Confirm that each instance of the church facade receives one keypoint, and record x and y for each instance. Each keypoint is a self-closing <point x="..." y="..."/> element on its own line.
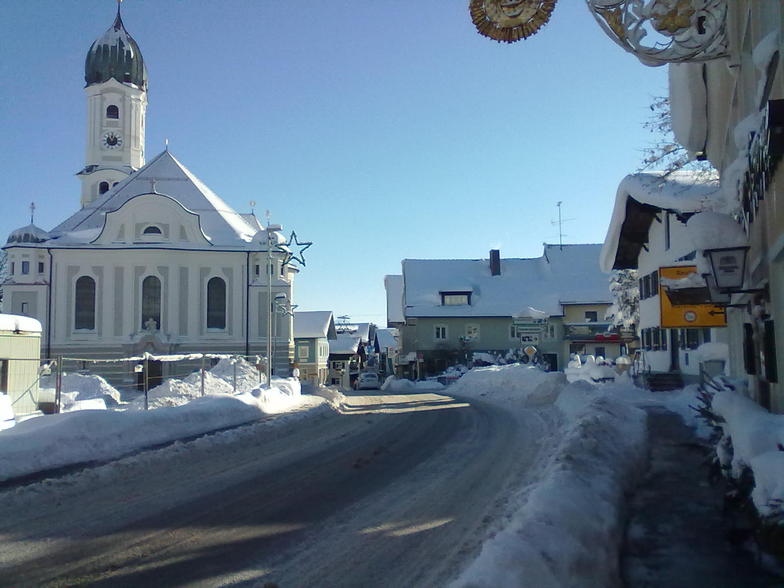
<point x="153" y="261"/>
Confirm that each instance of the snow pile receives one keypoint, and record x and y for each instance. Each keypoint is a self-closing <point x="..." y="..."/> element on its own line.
<point x="77" y="388"/>
<point x="528" y="385"/>
<point x="713" y="352"/>
<point x="569" y="528"/>
<point x="592" y="370"/>
<point x="217" y="380"/>
<point x="756" y="438"/>
<point x="58" y="440"/>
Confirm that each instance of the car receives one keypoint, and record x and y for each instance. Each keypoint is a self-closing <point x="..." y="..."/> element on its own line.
<point x="367" y="381"/>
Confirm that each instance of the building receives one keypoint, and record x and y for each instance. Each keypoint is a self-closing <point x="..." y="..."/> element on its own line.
<point x="459" y="310"/>
<point x="386" y="346"/>
<point x="153" y="260"/>
<point x="726" y="91"/>
<point x="648" y="232"/>
<point x="313" y="331"/>
<point x="20" y="355"/>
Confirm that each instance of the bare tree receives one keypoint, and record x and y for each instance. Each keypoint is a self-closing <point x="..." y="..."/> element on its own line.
<point x="666" y="154"/>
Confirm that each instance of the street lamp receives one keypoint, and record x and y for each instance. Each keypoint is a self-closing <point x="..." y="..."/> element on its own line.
<point x="282" y="307"/>
<point x="728" y="267"/>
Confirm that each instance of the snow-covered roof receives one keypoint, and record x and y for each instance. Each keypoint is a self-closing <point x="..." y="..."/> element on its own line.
<point x="344" y="344"/>
<point x="165" y="175"/>
<point x="681" y="191"/>
<point x="394" y="287"/>
<point x="314" y="324"/>
<point x="361" y="330"/>
<point x="562" y="275"/>
<point x="15" y="322"/>
<point x="387" y="339"/>
<point x="28" y="234"/>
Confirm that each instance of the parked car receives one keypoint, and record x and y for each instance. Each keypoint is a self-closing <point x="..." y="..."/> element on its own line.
<point x="367" y="381"/>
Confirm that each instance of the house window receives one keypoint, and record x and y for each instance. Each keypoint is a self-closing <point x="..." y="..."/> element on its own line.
<point x="216" y="304"/>
<point x="13" y="268"/>
<point x="84" y="304"/>
<point x="25" y="308"/>
<point x="591" y="316"/>
<point x="112" y="111"/>
<point x="257" y="270"/>
<point x="646" y="286"/>
<point x="654" y="283"/>
<point x="472" y="332"/>
<point x="151" y="303"/>
<point x="303" y="352"/>
<point x="455" y="298"/>
<point x="152" y="230"/>
<point x="440" y="333"/>
<point x="40" y="267"/>
<point x="103" y="187"/>
<point x="25" y="267"/>
<point x="692" y="338"/>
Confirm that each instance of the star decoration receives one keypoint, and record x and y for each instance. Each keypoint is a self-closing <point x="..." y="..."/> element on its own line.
<point x="296" y="249"/>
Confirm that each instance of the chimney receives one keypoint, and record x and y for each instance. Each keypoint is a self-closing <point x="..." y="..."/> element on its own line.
<point x="495" y="262"/>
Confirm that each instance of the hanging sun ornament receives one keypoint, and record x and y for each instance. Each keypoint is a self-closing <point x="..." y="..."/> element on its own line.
<point x="509" y="21"/>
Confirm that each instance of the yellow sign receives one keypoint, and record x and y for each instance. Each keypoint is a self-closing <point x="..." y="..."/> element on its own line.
<point x="675" y="316"/>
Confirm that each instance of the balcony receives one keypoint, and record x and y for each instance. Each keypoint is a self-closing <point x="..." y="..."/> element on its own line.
<point x="590" y="332"/>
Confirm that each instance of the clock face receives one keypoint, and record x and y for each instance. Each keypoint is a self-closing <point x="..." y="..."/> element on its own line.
<point x="112" y="140"/>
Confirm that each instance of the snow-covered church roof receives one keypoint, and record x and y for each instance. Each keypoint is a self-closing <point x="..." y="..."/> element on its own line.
<point x="639" y="197"/>
<point x="567" y="274"/>
<point x="164" y="175"/>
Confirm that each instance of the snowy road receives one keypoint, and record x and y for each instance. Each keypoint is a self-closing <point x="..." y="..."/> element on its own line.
<point x="399" y="490"/>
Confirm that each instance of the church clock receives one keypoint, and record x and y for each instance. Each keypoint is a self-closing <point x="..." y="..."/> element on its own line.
<point x="112" y="140"/>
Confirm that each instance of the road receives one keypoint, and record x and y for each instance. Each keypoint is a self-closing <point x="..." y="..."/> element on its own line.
<point x="396" y="490"/>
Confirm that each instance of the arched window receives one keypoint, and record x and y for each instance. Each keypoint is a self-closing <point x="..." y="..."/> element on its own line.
<point x="216" y="304"/>
<point x="84" y="303"/>
<point x="152" y="230"/>
<point x="112" y="111"/>
<point x="103" y="187"/>
<point x="151" y="303"/>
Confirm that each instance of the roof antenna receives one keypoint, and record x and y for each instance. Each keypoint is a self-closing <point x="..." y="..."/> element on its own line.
<point x="560" y="223"/>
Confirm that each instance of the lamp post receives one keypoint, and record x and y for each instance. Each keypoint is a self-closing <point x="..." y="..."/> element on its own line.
<point x="282" y="307"/>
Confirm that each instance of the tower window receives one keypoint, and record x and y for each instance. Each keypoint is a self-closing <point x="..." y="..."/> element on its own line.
<point x="152" y="230"/>
<point x="103" y="187"/>
<point x="112" y="111"/>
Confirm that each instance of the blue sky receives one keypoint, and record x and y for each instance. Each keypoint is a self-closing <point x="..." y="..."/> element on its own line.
<point x="378" y="130"/>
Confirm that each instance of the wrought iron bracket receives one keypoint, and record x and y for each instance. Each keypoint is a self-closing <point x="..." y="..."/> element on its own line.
<point x="659" y="32"/>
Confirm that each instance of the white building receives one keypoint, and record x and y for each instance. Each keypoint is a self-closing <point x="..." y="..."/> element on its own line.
<point x="153" y="260"/>
<point x="20" y="354"/>
<point x="648" y="233"/>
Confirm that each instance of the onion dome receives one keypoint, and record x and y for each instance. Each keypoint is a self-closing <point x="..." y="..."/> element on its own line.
<point x="115" y="55"/>
<point x="28" y="234"/>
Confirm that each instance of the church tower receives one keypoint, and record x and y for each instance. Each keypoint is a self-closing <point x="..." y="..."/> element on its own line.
<point x="116" y="90"/>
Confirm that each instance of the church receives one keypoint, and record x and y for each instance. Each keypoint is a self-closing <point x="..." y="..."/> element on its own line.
<point x="153" y="260"/>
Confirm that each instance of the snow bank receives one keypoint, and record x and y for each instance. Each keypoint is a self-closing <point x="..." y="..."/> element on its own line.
<point x="515" y="382"/>
<point x="592" y="371"/>
<point x="757" y="439"/>
<point x="569" y="529"/>
<point x="94" y="435"/>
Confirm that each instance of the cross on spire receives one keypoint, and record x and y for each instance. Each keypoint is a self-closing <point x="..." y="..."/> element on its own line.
<point x="32" y="213"/>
